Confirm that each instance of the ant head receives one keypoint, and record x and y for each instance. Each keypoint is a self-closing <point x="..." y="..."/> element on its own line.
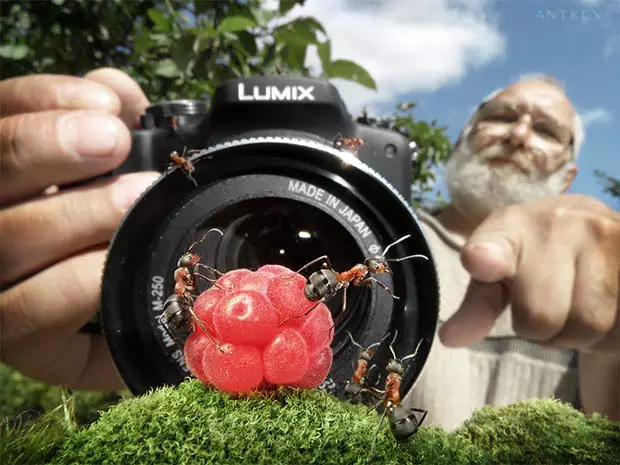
<point x="395" y="366"/>
<point x="378" y="265"/>
<point x="187" y="259"/>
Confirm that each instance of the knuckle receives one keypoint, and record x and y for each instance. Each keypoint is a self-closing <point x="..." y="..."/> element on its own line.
<point x="538" y="323"/>
<point x="11" y="160"/>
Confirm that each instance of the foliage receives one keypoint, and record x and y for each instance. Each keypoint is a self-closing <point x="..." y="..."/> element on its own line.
<point x="185" y="48"/>
<point x="27" y="398"/>
<point x="193" y="424"/>
<point x="611" y="185"/>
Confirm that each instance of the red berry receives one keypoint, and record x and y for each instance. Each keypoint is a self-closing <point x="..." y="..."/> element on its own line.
<point x="274" y="270"/>
<point x="316" y="327"/>
<point x="195" y="347"/>
<point x="318" y="369"/>
<point x="286" y="358"/>
<point x="245" y="312"/>
<point x="258" y="282"/>
<point x="238" y="369"/>
<point x="286" y="293"/>
<point x="230" y="280"/>
<point x="246" y="317"/>
<point x="204" y="305"/>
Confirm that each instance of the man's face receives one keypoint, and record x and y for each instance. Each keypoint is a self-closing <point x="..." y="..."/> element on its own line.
<point x="517" y="149"/>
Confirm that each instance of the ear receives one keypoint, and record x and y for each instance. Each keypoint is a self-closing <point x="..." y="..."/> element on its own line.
<point x="569" y="177"/>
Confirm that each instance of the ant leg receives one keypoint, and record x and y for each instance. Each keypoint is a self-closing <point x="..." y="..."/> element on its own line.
<point x="344" y="307"/>
<point x="169" y="333"/>
<point x="323" y="257"/>
<point x="371" y="279"/>
<point x="423" y="412"/>
<point x="210" y="269"/>
<point x="201" y="324"/>
<point x="372" y="447"/>
<point x="304" y="314"/>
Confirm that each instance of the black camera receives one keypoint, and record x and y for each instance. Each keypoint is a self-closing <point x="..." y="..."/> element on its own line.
<point x="272" y="169"/>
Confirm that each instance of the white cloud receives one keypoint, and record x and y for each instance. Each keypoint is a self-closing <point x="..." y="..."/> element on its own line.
<point x="596" y="115"/>
<point x="406" y="45"/>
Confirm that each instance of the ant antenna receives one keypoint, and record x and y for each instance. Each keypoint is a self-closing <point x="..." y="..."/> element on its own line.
<point x="415" y="353"/>
<point x="392" y="343"/>
<point x="204" y="237"/>
<point x="394" y="243"/>
<point x="353" y="341"/>
<point x="406" y="258"/>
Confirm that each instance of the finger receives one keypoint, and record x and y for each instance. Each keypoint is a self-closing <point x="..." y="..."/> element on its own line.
<point x="57" y="147"/>
<point x="79" y="361"/>
<point x="481" y="306"/>
<point x="493" y="251"/>
<point x="61" y="298"/>
<point x="594" y="309"/>
<point x="44" y="92"/>
<point x="48" y="229"/>
<point x="133" y="101"/>
<point x="542" y="291"/>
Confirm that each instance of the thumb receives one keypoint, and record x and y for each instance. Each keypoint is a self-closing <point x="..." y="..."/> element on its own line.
<point x="133" y="100"/>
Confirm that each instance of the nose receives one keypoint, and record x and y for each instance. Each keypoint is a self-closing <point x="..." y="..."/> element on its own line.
<point x="520" y="131"/>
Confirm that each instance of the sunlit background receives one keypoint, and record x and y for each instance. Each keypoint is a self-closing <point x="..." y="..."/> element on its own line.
<point x="447" y="55"/>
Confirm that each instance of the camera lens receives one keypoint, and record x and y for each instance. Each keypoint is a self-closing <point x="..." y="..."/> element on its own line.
<point x="287" y="232"/>
<point x="278" y="200"/>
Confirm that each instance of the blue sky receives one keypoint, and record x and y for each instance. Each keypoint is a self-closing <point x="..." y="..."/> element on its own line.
<point x="446" y="55"/>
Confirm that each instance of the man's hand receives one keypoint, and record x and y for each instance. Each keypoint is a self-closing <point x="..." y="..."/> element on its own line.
<point x="54" y="131"/>
<point x="557" y="262"/>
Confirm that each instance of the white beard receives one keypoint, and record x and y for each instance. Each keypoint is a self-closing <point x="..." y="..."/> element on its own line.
<point x="478" y="189"/>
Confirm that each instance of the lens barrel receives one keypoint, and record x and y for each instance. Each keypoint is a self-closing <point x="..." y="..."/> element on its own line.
<point x="279" y="199"/>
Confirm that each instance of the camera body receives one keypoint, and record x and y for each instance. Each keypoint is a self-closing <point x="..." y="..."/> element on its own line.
<point x="270" y="169"/>
<point x="271" y="103"/>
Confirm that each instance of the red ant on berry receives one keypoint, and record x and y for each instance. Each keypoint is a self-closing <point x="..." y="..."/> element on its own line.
<point x="178" y="308"/>
<point x="184" y="163"/>
<point x="324" y="284"/>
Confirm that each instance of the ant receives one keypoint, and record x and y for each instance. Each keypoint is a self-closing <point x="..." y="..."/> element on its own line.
<point x="184" y="163"/>
<point x="352" y="144"/>
<point x="356" y="385"/>
<point x="179" y="306"/>
<point x="324" y="284"/>
<point x="403" y="421"/>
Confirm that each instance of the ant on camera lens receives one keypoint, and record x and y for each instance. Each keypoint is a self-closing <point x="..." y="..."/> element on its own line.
<point x="403" y="421"/>
<point x="352" y="144"/>
<point x="178" y="308"/>
<point x="325" y="283"/>
<point x="184" y="163"/>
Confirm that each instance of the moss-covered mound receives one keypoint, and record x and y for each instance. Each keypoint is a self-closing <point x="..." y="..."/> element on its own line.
<point x="193" y="424"/>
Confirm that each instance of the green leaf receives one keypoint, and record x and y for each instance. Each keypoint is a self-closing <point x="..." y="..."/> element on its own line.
<point x="159" y="19"/>
<point x="236" y="23"/>
<point x="294" y="55"/>
<point x="182" y="52"/>
<point x="14" y="52"/>
<point x="324" y="50"/>
<point x="167" y="68"/>
<point x="287" y="5"/>
<point x="247" y="42"/>
<point x="351" y="71"/>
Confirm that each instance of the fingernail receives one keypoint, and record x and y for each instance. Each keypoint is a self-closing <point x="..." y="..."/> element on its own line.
<point x="89" y="136"/>
<point x="130" y="186"/>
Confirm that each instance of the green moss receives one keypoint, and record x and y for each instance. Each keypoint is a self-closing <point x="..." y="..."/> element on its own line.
<point x="193" y="424"/>
<point x="544" y="431"/>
